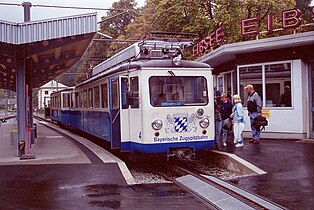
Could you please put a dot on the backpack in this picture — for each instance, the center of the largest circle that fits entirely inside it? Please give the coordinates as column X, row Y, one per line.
column 260, row 122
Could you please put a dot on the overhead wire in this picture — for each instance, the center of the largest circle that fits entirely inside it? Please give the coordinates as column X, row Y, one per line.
column 61, row 7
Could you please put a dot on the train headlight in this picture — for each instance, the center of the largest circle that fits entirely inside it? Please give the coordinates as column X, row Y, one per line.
column 177, row 61
column 200, row 112
column 204, row 123
column 157, row 124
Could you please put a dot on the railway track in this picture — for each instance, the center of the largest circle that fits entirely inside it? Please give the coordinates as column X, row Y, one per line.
column 216, row 193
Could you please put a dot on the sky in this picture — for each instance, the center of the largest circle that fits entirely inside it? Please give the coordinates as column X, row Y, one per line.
column 15, row 13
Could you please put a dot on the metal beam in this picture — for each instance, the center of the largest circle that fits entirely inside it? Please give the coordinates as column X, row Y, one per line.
column 20, row 94
column 40, row 47
column 50, row 60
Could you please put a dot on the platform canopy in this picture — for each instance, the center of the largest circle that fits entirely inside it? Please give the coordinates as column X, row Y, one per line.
column 53, row 46
column 228, row 52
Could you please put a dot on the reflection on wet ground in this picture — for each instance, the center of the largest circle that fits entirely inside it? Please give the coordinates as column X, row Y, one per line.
column 84, row 186
column 290, row 177
column 152, row 196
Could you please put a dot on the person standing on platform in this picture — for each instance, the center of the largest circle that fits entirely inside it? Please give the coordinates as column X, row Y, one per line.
column 254, row 106
column 238, row 121
column 218, row 122
column 226, row 111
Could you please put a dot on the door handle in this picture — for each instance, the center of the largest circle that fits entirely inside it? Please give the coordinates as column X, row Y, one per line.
column 115, row 117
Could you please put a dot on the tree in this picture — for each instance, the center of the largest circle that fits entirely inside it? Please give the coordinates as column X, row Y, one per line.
column 113, row 24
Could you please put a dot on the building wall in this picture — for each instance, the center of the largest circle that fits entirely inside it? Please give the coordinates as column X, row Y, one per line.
column 51, row 87
column 286, row 120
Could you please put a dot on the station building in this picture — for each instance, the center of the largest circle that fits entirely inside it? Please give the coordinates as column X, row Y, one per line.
column 282, row 71
column 45, row 91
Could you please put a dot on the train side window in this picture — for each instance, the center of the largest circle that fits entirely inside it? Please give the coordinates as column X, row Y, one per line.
column 72, row 100
column 104, row 96
column 65, row 100
column 134, row 87
column 85, row 98
column 52, row 102
column 76, row 100
column 81, row 99
column 124, row 90
column 58, row 101
column 96, row 97
column 90, row 98
column 115, row 94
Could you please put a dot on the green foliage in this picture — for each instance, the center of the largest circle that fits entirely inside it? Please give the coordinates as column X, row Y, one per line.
column 194, row 16
column 113, row 24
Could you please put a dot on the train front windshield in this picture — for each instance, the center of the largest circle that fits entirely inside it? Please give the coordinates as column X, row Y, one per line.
column 178, row 91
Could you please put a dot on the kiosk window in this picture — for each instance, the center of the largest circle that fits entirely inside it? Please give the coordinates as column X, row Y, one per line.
column 278, row 85
column 250, row 75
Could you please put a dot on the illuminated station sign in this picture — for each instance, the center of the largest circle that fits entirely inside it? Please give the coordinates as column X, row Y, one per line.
column 250, row 26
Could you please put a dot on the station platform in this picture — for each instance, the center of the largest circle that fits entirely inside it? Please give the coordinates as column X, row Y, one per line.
column 290, row 171
column 70, row 172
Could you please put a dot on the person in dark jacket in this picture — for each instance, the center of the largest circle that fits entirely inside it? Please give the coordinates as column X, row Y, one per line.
column 254, row 107
column 226, row 111
column 285, row 98
column 218, row 122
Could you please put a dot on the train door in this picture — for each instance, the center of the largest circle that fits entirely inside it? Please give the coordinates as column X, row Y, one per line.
column 130, row 110
column 124, row 109
column 114, row 113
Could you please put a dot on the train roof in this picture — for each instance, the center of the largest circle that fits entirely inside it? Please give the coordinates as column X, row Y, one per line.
column 63, row 90
column 166, row 63
column 148, row 49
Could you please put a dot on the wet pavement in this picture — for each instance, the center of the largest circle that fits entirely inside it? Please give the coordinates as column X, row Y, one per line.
column 84, row 186
column 67, row 175
column 290, row 171
column 71, row 176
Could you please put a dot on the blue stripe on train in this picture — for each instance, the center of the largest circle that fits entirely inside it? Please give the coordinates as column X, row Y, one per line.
column 61, row 116
column 164, row 147
column 95, row 123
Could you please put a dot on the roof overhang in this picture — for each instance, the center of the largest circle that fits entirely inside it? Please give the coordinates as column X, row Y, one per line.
column 228, row 52
column 53, row 46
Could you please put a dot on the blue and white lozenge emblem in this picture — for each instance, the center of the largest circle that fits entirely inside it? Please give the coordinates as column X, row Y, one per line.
column 180, row 123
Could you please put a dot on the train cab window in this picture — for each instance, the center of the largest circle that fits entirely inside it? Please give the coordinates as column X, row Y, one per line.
column 104, row 95
column 90, row 98
column 96, row 97
column 178, row 91
column 134, row 87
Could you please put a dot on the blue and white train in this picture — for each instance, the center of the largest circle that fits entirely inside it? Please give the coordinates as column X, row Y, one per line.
column 144, row 99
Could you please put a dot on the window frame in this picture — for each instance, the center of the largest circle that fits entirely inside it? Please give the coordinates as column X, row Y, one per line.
column 104, row 105
column 264, row 82
column 96, row 97
column 184, row 105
